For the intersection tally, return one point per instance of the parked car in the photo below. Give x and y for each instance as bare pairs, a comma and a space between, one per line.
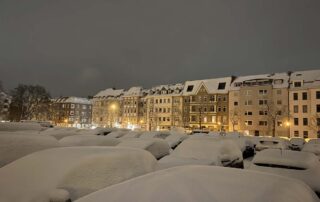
296, 143
271, 143
204, 151
295, 164
67, 173
205, 184
313, 148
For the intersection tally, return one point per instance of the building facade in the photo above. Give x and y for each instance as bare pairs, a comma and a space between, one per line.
206, 104
107, 108
164, 107
258, 105
71, 112
304, 96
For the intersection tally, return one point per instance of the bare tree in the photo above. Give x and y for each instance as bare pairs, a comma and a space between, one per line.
29, 102
314, 124
234, 118
275, 113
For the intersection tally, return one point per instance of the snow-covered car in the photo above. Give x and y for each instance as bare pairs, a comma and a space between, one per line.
295, 164
88, 140
132, 134
117, 134
59, 133
314, 141
312, 148
204, 151
18, 126
271, 143
296, 143
157, 147
14, 146
97, 131
67, 173
205, 184
156, 134
174, 139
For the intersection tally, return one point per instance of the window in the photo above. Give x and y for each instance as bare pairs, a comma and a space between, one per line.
263, 123
318, 108
263, 112
222, 86
305, 109
296, 121
157, 101
205, 98
72, 106
190, 88
305, 121
193, 108
163, 118
297, 84
193, 118
248, 123
296, 133
212, 109
263, 102
84, 106
305, 134
224, 109
248, 113
71, 113
279, 123
262, 92
295, 109
318, 121
295, 96
235, 103
213, 119
248, 92
248, 102
305, 96
160, 101
219, 109
279, 102
212, 98
317, 95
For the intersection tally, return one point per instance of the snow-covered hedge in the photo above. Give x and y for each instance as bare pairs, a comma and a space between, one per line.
88, 140
56, 174
14, 146
205, 184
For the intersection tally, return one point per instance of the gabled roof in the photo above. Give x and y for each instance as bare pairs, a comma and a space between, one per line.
271, 77
172, 89
134, 91
310, 78
211, 86
110, 92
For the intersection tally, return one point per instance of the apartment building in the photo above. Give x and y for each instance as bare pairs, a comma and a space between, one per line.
304, 106
258, 105
134, 108
164, 107
71, 112
206, 103
107, 108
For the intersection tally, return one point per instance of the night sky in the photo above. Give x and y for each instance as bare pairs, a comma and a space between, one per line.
79, 47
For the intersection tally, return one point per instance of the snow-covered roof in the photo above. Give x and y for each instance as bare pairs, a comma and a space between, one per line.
76, 170
134, 91
213, 86
170, 89
110, 92
309, 78
277, 80
76, 100
205, 184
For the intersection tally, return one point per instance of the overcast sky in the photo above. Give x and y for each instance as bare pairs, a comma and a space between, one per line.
79, 47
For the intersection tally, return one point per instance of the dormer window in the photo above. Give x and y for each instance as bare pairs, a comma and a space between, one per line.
297, 84
222, 86
190, 88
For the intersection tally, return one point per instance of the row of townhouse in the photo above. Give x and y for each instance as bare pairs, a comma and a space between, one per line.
280, 104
